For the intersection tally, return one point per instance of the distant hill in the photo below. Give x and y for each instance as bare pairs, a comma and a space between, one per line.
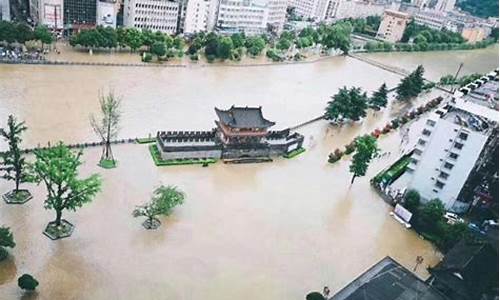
480, 8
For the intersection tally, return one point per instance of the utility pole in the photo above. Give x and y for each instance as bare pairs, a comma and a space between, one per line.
456, 76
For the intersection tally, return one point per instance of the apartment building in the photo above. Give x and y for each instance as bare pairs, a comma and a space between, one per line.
155, 15
196, 15
4, 10
107, 11
277, 14
432, 19
393, 25
454, 143
80, 13
249, 16
48, 12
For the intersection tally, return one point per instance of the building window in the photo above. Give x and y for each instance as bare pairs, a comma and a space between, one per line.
463, 136
426, 132
431, 123
421, 142
448, 166
444, 175
459, 146
453, 155
417, 152
439, 184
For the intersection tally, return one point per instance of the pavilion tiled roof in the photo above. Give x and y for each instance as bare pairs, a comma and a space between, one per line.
243, 117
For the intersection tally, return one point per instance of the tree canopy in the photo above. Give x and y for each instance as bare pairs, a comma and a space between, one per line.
480, 8
379, 98
412, 85
57, 168
107, 126
164, 199
347, 104
365, 150
6, 240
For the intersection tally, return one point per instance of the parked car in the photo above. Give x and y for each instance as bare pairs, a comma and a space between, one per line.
474, 228
452, 218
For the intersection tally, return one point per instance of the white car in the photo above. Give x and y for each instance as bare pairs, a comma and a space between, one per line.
452, 218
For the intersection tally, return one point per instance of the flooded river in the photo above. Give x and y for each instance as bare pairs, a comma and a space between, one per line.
262, 231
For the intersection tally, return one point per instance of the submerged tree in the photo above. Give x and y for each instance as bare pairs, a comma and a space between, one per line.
107, 127
164, 199
13, 163
347, 104
57, 168
6, 240
366, 149
27, 282
379, 98
411, 85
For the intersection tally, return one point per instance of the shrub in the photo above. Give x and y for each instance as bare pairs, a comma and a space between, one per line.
147, 57
27, 282
376, 133
194, 57
387, 128
210, 58
349, 148
412, 200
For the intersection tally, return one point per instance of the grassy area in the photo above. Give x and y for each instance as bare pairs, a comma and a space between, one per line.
147, 140
108, 164
295, 153
155, 154
397, 169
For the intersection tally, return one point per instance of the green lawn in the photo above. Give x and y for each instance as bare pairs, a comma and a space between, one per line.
108, 164
147, 140
295, 152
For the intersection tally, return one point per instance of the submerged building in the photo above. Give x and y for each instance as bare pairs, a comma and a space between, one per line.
242, 134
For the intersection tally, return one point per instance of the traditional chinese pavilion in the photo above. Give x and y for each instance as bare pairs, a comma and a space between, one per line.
242, 134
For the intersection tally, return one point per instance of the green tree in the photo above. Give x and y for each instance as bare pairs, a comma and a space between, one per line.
347, 104
412, 200
159, 49
338, 36
164, 199
6, 241
13, 163
255, 45
148, 38
365, 150
238, 39
108, 125
431, 214
224, 48
57, 168
283, 44
133, 38
43, 34
27, 282
379, 98
412, 85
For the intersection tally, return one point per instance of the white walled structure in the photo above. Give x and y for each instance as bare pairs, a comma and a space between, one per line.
106, 13
277, 14
393, 25
196, 16
249, 16
156, 15
451, 144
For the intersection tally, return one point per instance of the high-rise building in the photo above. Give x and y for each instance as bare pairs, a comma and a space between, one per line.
277, 14
107, 11
393, 25
48, 13
80, 13
196, 14
249, 16
456, 141
4, 10
155, 15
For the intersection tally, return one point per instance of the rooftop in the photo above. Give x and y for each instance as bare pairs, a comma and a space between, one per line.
243, 117
388, 280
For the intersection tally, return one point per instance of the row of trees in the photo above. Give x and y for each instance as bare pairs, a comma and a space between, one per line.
423, 34
407, 47
106, 37
19, 32
461, 81
352, 104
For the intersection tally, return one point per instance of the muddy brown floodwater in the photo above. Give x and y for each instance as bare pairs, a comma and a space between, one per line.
261, 231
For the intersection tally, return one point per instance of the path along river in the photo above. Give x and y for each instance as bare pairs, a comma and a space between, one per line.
263, 231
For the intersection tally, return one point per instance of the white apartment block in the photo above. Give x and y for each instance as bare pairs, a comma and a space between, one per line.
106, 12
453, 143
393, 25
48, 13
433, 19
277, 14
196, 16
249, 16
4, 10
156, 15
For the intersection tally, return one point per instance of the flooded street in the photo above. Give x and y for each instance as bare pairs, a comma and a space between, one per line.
263, 231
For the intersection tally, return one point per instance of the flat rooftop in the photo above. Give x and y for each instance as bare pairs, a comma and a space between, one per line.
388, 280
